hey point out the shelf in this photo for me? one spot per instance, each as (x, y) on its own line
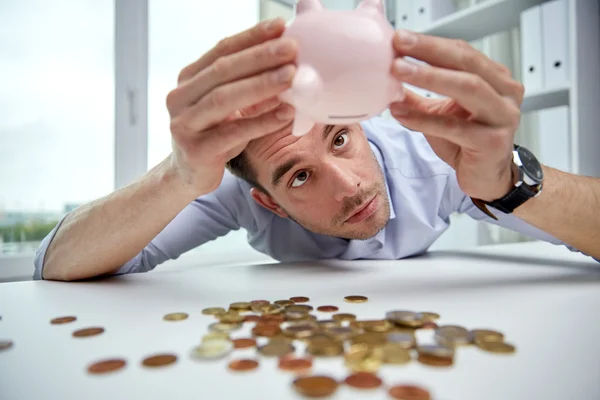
(546, 98)
(481, 20)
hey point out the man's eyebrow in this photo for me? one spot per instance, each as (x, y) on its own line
(283, 169)
(327, 130)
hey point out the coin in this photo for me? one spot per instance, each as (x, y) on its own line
(251, 318)
(259, 302)
(363, 380)
(342, 333)
(244, 343)
(487, 335)
(275, 318)
(409, 392)
(324, 346)
(436, 350)
(272, 309)
(231, 318)
(104, 366)
(179, 316)
(435, 361)
(371, 339)
(405, 318)
(327, 308)
(452, 335)
(362, 358)
(213, 311)
(394, 353)
(355, 299)
(405, 340)
(276, 349)
(224, 328)
(240, 306)
(343, 317)
(373, 325)
(6, 344)
(62, 320)
(215, 335)
(429, 325)
(159, 360)
(293, 364)
(266, 330)
(284, 303)
(328, 323)
(429, 316)
(86, 332)
(305, 308)
(496, 347)
(212, 349)
(315, 386)
(243, 365)
(300, 330)
(299, 299)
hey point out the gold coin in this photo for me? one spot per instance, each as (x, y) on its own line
(231, 318)
(487, 335)
(240, 306)
(215, 335)
(405, 318)
(328, 323)
(224, 328)
(213, 311)
(178, 316)
(62, 320)
(273, 309)
(341, 333)
(300, 330)
(394, 353)
(361, 358)
(405, 340)
(452, 335)
(355, 299)
(371, 339)
(429, 316)
(212, 349)
(305, 308)
(373, 325)
(159, 360)
(284, 303)
(497, 347)
(343, 317)
(325, 348)
(260, 307)
(436, 351)
(315, 386)
(276, 349)
(6, 344)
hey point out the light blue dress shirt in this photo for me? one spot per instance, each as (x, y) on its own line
(423, 193)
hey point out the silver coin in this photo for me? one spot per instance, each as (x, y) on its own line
(403, 339)
(436, 350)
(212, 349)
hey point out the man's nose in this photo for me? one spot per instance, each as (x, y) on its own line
(345, 182)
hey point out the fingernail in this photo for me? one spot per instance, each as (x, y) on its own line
(284, 74)
(404, 67)
(407, 38)
(285, 112)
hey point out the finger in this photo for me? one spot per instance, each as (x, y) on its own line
(469, 90)
(467, 134)
(460, 56)
(420, 103)
(259, 33)
(229, 136)
(224, 100)
(233, 67)
(255, 109)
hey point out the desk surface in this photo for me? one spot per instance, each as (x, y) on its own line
(545, 299)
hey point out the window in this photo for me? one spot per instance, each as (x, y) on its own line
(57, 113)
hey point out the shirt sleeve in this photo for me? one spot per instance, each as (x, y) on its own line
(458, 201)
(206, 218)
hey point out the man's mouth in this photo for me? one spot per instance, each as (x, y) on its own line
(364, 211)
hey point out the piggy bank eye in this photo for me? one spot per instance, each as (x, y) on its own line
(340, 141)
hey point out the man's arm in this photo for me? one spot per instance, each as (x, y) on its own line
(568, 208)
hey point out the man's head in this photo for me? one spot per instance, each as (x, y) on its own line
(320, 180)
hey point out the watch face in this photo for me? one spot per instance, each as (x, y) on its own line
(531, 165)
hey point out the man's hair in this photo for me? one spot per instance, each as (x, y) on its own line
(240, 166)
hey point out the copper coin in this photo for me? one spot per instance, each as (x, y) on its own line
(110, 365)
(244, 343)
(327, 308)
(62, 320)
(266, 330)
(356, 299)
(435, 361)
(299, 299)
(6, 344)
(315, 386)
(429, 325)
(278, 318)
(363, 380)
(409, 392)
(243, 365)
(259, 302)
(86, 332)
(251, 318)
(159, 360)
(295, 364)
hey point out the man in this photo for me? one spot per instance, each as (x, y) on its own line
(370, 190)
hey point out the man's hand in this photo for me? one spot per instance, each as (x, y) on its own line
(473, 128)
(227, 98)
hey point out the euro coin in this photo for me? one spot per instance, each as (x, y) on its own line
(213, 311)
(453, 335)
(363, 380)
(240, 306)
(86, 332)
(394, 353)
(224, 328)
(266, 330)
(325, 347)
(212, 350)
(243, 365)
(405, 340)
(436, 350)
(356, 299)
(327, 308)
(405, 318)
(6, 344)
(300, 331)
(305, 308)
(178, 316)
(244, 343)
(496, 347)
(231, 318)
(159, 360)
(341, 333)
(429, 316)
(315, 386)
(487, 335)
(105, 366)
(62, 320)
(408, 392)
(272, 309)
(343, 317)
(251, 318)
(276, 349)
(215, 335)
(284, 303)
(435, 361)
(298, 365)
(299, 299)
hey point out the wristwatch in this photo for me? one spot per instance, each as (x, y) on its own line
(529, 178)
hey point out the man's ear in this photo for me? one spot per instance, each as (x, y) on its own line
(267, 202)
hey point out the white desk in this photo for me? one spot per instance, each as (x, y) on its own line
(544, 298)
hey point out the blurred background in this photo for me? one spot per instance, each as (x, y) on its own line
(83, 87)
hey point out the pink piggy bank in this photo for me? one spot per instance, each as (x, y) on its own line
(344, 64)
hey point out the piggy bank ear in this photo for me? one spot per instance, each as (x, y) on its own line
(303, 6)
(373, 5)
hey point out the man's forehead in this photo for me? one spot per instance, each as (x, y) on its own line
(262, 148)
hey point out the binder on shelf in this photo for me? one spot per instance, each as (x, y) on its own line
(532, 70)
(554, 138)
(404, 15)
(555, 33)
(425, 12)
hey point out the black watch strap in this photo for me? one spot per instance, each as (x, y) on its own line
(519, 195)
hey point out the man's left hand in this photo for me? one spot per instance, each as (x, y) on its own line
(473, 128)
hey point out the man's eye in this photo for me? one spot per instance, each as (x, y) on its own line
(340, 141)
(300, 179)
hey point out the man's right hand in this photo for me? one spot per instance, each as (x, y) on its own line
(227, 98)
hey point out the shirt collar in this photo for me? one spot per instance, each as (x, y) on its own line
(379, 157)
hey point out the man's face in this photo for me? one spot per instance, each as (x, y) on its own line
(328, 180)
